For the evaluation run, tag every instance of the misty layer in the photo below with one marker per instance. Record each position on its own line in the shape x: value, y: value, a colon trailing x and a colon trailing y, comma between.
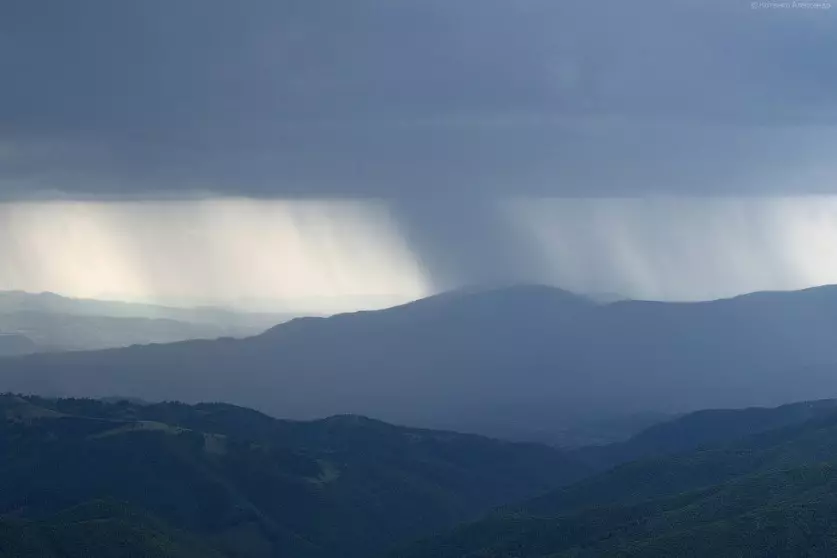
x: 682, y: 248
x: 299, y: 255
x: 320, y: 256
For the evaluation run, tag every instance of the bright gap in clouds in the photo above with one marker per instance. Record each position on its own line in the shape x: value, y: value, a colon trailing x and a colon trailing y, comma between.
x: 270, y: 255
x: 330, y: 256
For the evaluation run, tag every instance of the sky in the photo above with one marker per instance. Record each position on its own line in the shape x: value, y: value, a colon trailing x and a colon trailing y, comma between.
x: 597, y: 145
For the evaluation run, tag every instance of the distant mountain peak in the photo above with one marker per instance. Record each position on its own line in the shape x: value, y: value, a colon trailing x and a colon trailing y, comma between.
x: 502, y: 302
x: 353, y: 421
x: 511, y: 293
x: 513, y: 288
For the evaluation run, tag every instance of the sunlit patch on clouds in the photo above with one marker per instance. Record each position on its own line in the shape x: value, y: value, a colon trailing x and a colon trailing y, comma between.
x: 327, y: 256
x: 293, y: 255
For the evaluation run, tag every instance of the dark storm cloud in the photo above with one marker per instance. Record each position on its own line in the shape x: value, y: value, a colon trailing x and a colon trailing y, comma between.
x: 438, y: 106
x: 386, y: 97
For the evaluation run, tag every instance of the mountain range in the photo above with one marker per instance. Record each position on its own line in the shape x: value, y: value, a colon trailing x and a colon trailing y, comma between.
x: 126, y: 479
x: 47, y: 322
x: 764, y: 494
x: 171, y: 479
x: 521, y: 362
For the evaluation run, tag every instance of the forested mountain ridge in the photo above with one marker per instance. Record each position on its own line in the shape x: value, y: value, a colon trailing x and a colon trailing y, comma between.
x: 53, y: 323
x: 704, y: 429
x: 249, y: 485
x: 173, y: 480
x: 771, y: 493
x: 104, y: 529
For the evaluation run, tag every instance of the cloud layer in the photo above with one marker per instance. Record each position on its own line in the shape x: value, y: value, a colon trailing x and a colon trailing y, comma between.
x: 428, y: 116
x: 394, y: 98
x: 336, y: 256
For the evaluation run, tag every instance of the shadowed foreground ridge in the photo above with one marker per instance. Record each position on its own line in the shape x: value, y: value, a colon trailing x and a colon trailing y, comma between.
x: 768, y: 494
x: 124, y: 479
x: 102, y: 528
x: 244, y: 484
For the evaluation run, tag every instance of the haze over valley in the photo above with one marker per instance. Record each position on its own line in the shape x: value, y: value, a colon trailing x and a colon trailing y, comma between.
x: 322, y: 257
x: 523, y: 362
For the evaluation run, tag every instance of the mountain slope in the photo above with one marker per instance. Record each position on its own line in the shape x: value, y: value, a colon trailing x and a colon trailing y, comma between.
x: 50, y: 303
x: 51, y: 332
x: 782, y: 513
x: 504, y: 362
x: 255, y: 486
x: 708, y: 428
x: 14, y: 344
x: 56, y: 323
x: 769, y: 494
x: 102, y: 529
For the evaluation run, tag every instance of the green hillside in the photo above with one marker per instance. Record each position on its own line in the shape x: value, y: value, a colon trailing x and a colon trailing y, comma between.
x: 770, y: 494
x: 252, y: 486
x: 101, y: 529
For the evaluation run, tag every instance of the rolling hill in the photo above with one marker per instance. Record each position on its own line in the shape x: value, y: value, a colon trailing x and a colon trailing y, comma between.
x: 781, y: 513
x: 771, y: 493
x: 14, y: 344
x: 707, y: 428
x: 50, y: 303
x: 54, y: 323
x: 49, y: 332
x: 105, y: 529
x: 248, y: 485
x: 119, y: 479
